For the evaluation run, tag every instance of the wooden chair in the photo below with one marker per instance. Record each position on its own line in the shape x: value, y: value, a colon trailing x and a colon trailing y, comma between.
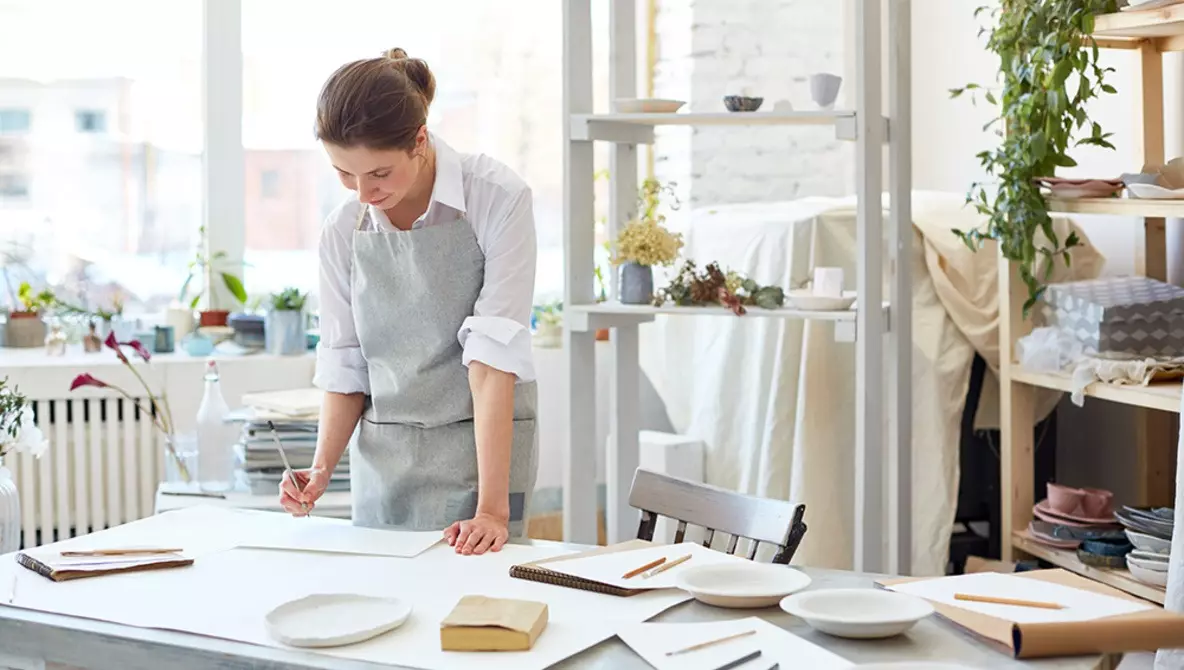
x: 716, y: 509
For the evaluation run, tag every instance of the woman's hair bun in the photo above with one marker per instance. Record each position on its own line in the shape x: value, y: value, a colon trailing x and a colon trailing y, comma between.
x: 395, y: 53
x: 417, y: 70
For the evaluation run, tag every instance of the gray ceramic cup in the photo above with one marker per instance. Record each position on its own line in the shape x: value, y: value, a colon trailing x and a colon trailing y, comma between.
x: 824, y: 89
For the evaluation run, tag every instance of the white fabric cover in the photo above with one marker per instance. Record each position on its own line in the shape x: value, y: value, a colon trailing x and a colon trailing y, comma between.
x: 774, y: 400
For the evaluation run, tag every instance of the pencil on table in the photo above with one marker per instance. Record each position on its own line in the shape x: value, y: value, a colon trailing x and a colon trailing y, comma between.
x: 120, y: 552
x: 666, y: 566
x: 710, y: 643
x: 1007, y: 601
x: 637, y: 571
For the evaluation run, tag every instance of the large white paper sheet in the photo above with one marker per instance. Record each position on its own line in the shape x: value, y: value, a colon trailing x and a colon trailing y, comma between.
x: 652, y: 641
x: 1078, y: 604
x: 226, y: 595
x: 611, y: 568
x: 337, y: 537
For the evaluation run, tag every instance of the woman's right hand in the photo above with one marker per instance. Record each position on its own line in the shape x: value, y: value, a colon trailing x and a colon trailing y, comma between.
x: 299, y: 493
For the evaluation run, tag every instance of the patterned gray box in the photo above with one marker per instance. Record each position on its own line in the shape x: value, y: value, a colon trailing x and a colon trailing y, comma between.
x: 1133, y: 315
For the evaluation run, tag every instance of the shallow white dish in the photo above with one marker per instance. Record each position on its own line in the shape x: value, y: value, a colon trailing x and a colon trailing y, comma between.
x: 647, y: 105
x: 1147, y: 564
x: 1147, y: 542
x: 1152, y: 577
x: 805, y: 300
x: 746, y: 585
x: 857, y: 613
x: 335, y: 619
x: 1155, y: 192
x: 1150, y: 556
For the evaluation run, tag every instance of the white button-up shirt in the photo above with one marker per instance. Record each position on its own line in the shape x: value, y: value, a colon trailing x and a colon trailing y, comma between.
x: 498, y: 205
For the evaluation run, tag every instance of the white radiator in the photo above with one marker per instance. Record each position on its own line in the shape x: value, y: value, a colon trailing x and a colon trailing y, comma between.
x: 101, y: 469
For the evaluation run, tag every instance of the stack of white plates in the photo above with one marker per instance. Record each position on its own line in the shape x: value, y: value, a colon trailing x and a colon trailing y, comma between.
x: 1149, y: 561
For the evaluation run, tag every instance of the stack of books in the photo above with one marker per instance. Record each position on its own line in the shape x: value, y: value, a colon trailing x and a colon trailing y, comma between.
x: 295, y: 415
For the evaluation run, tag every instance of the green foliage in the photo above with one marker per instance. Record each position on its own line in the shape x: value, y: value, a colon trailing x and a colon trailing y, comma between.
x: 32, y: 301
x: 288, y: 300
x: 549, y: 313
x: 214, y: 265
x: 1048, y: 64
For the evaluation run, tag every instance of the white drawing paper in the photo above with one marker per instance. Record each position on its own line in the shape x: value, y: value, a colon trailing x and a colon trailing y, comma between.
x: 652, y: 641
x: 339, y: 537
x: 1078, y: 604
x: 611, y: 568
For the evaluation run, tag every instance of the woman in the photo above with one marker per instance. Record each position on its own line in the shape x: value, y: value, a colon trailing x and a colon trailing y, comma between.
x: 427, y: 280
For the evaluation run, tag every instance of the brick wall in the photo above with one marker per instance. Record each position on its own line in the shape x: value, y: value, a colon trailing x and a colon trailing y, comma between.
x: 711, y: 48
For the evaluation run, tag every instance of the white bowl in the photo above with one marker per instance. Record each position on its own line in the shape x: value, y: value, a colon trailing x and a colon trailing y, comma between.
x: 647, y: 105
x: 1148, y: 542
x: 1152, y: 577
x: 806, y: 300
x: 745, y: 585
x: 335, y: 619
x: 858, y: 613
x: 1147, y: 564
x: 1155, y: 192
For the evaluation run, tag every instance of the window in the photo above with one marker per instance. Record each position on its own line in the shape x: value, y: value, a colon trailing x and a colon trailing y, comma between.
x: 15, y: 120
x: 90, y: 121
x: 495, y: 94
x: 119, y: 213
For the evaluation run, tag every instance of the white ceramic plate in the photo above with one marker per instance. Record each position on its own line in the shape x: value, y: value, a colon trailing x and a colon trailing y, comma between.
x: 744, y: 585
x: 804, y: 299
x: 858, y: 613
x: 1147, y: 564
x: 1155, y: 192
x: 1153, y: 577
x: 1147, y: 542
x: 335, y: 619
x: 1150, y: 556
x: 647, y: 105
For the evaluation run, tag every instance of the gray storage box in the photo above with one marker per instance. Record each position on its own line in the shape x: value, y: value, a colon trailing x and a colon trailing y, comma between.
x: 1133, y: 315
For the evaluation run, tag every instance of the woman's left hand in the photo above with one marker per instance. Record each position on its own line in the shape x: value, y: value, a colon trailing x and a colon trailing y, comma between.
x: 482, y: 533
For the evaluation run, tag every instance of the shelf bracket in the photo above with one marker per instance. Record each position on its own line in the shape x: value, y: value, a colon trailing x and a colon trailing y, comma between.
x: 584, y: 129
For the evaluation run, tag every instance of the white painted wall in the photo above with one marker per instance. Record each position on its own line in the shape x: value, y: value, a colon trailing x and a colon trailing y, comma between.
x: 947, y: 135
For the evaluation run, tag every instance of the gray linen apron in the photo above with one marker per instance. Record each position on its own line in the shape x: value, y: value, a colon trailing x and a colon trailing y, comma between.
x: 414, y: 460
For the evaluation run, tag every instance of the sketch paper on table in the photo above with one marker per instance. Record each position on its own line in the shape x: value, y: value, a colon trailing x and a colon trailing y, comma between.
x: 610, y: 568
x: 339, y: 537
x: 197, y: 530
x: 652, y: 641
x: 254, y: 582
x: 1079, y: 605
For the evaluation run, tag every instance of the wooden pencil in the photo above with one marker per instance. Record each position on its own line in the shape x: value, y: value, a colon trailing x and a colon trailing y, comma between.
x: 637, y: 571
x: 1007, y: 601
x: 666, y: 566
x: 710, y: 643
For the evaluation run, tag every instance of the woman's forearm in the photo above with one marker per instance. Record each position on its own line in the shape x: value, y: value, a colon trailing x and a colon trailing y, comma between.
x: 339, y: 416
x: 493, y: 423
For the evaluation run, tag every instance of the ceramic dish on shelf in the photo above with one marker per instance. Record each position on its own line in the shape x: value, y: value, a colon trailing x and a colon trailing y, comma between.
x: 1072, y: 189
x: 746, y: 585
x: 1149, y: 543
x: 647, y: 105
x: 862, y: 614
x: 1155, y: 563
x: 1045, y: 511
x: 335, y: 619
x: 1152, y: 577
x: 807, y: 300
x: 1155, y: 192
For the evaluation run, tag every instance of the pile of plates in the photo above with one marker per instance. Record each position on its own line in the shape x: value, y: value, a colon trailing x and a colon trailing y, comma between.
x: 1150, y: 531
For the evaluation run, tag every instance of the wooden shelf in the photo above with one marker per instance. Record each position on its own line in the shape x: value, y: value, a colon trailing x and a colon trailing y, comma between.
x: 1165, y: 396
x: 1118, y: 207
x: 639, y: 128
x: 1148, y: 23
x: 1120, y: 579
x: 616, y: 308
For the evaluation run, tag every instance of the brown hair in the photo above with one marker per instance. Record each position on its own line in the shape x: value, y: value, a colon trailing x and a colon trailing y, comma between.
x: 378, y: 103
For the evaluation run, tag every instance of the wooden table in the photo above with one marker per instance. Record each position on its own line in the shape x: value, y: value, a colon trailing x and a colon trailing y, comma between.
x: 82, y: 643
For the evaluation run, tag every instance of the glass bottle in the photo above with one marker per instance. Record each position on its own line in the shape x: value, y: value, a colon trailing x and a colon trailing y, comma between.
x: 215, y: 436
x: 91, y: 343
x: 55, y: 341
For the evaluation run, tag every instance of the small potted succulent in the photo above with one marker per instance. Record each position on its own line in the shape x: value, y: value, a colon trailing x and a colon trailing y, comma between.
x: 207, y: 268
x: 284, y: 323
x: 25, y: 327
x: 645, y: 243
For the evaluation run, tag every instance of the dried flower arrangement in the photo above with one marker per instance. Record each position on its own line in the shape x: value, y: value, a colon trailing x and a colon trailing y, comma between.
x: 713, y: 286
x: 160, y: 413
x: 645, y: 241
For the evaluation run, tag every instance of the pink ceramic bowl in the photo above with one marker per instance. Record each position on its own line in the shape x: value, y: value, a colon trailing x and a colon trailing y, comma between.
x: 1097, y: 503
x: 1065, y: 499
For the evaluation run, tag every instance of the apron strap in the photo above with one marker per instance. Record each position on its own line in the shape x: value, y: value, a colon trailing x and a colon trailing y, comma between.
x: 362, y: 216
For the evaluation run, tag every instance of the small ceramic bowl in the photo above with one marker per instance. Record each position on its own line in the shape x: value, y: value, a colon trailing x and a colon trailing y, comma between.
x: 857, y: 613
x: 1150, y: 543
x: 1065, y: 499
x: 1097, y: 503
x: 1153, y: 577
x: 742, y: 103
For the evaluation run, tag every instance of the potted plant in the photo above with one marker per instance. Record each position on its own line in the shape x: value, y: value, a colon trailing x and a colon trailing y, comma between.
x: 283, y: 326
x: 644, y: 243
x: 18, y: 434
x: 1049, y: 71
x: 25, y: 327
x: 548, y: 325
x: 158, y: 409
x: 207, y: 267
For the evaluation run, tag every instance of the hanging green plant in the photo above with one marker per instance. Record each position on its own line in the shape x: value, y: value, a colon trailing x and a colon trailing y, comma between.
x: 1049, y: 71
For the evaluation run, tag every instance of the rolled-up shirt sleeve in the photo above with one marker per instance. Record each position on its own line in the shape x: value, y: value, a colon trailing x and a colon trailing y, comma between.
x: 498, y: 333
x: 341, y: 368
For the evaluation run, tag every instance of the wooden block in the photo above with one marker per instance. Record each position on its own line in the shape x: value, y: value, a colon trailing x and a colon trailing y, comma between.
x: 478, y: 623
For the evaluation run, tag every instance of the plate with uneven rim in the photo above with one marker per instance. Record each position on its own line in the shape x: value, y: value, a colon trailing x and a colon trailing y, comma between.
x: 748, y: 585
x: 335, y: 619
x: 858, y: 613
x: 1155, y: 192
x: 807, y: 301
x: 647, y: 105
x: 1149, y: 543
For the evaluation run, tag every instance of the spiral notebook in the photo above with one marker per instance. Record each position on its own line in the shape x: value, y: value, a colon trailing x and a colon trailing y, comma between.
x: 64, y: 569
x: 538, y: 572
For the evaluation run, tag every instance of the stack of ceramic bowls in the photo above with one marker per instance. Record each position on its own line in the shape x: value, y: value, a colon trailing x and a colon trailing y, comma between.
x: 1082, y: 519
x: 1150, y: 531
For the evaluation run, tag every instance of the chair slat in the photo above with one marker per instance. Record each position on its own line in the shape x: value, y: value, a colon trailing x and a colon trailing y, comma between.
x: 732, y: 544
x: 681, y: 532
x: 752, y: 547
x: 709, y: 537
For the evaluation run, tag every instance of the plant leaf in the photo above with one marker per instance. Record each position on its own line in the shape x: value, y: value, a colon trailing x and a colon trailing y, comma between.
x: 235, y: 286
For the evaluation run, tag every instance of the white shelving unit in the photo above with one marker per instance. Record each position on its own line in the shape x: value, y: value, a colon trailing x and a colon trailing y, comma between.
x: 881, y: 480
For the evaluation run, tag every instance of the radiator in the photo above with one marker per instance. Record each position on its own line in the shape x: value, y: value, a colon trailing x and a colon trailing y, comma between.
x: 101, y: 469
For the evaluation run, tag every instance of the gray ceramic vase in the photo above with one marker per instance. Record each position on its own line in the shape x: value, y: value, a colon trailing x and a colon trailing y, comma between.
x: 637, y: 284
x: 283, y: 331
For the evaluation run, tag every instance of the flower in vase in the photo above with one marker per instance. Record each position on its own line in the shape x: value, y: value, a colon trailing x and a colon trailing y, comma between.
x: 158, y: 409
x: 18, y: 432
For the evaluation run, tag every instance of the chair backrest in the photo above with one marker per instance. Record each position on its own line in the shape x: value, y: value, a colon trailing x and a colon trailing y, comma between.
x: 716, y: 509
